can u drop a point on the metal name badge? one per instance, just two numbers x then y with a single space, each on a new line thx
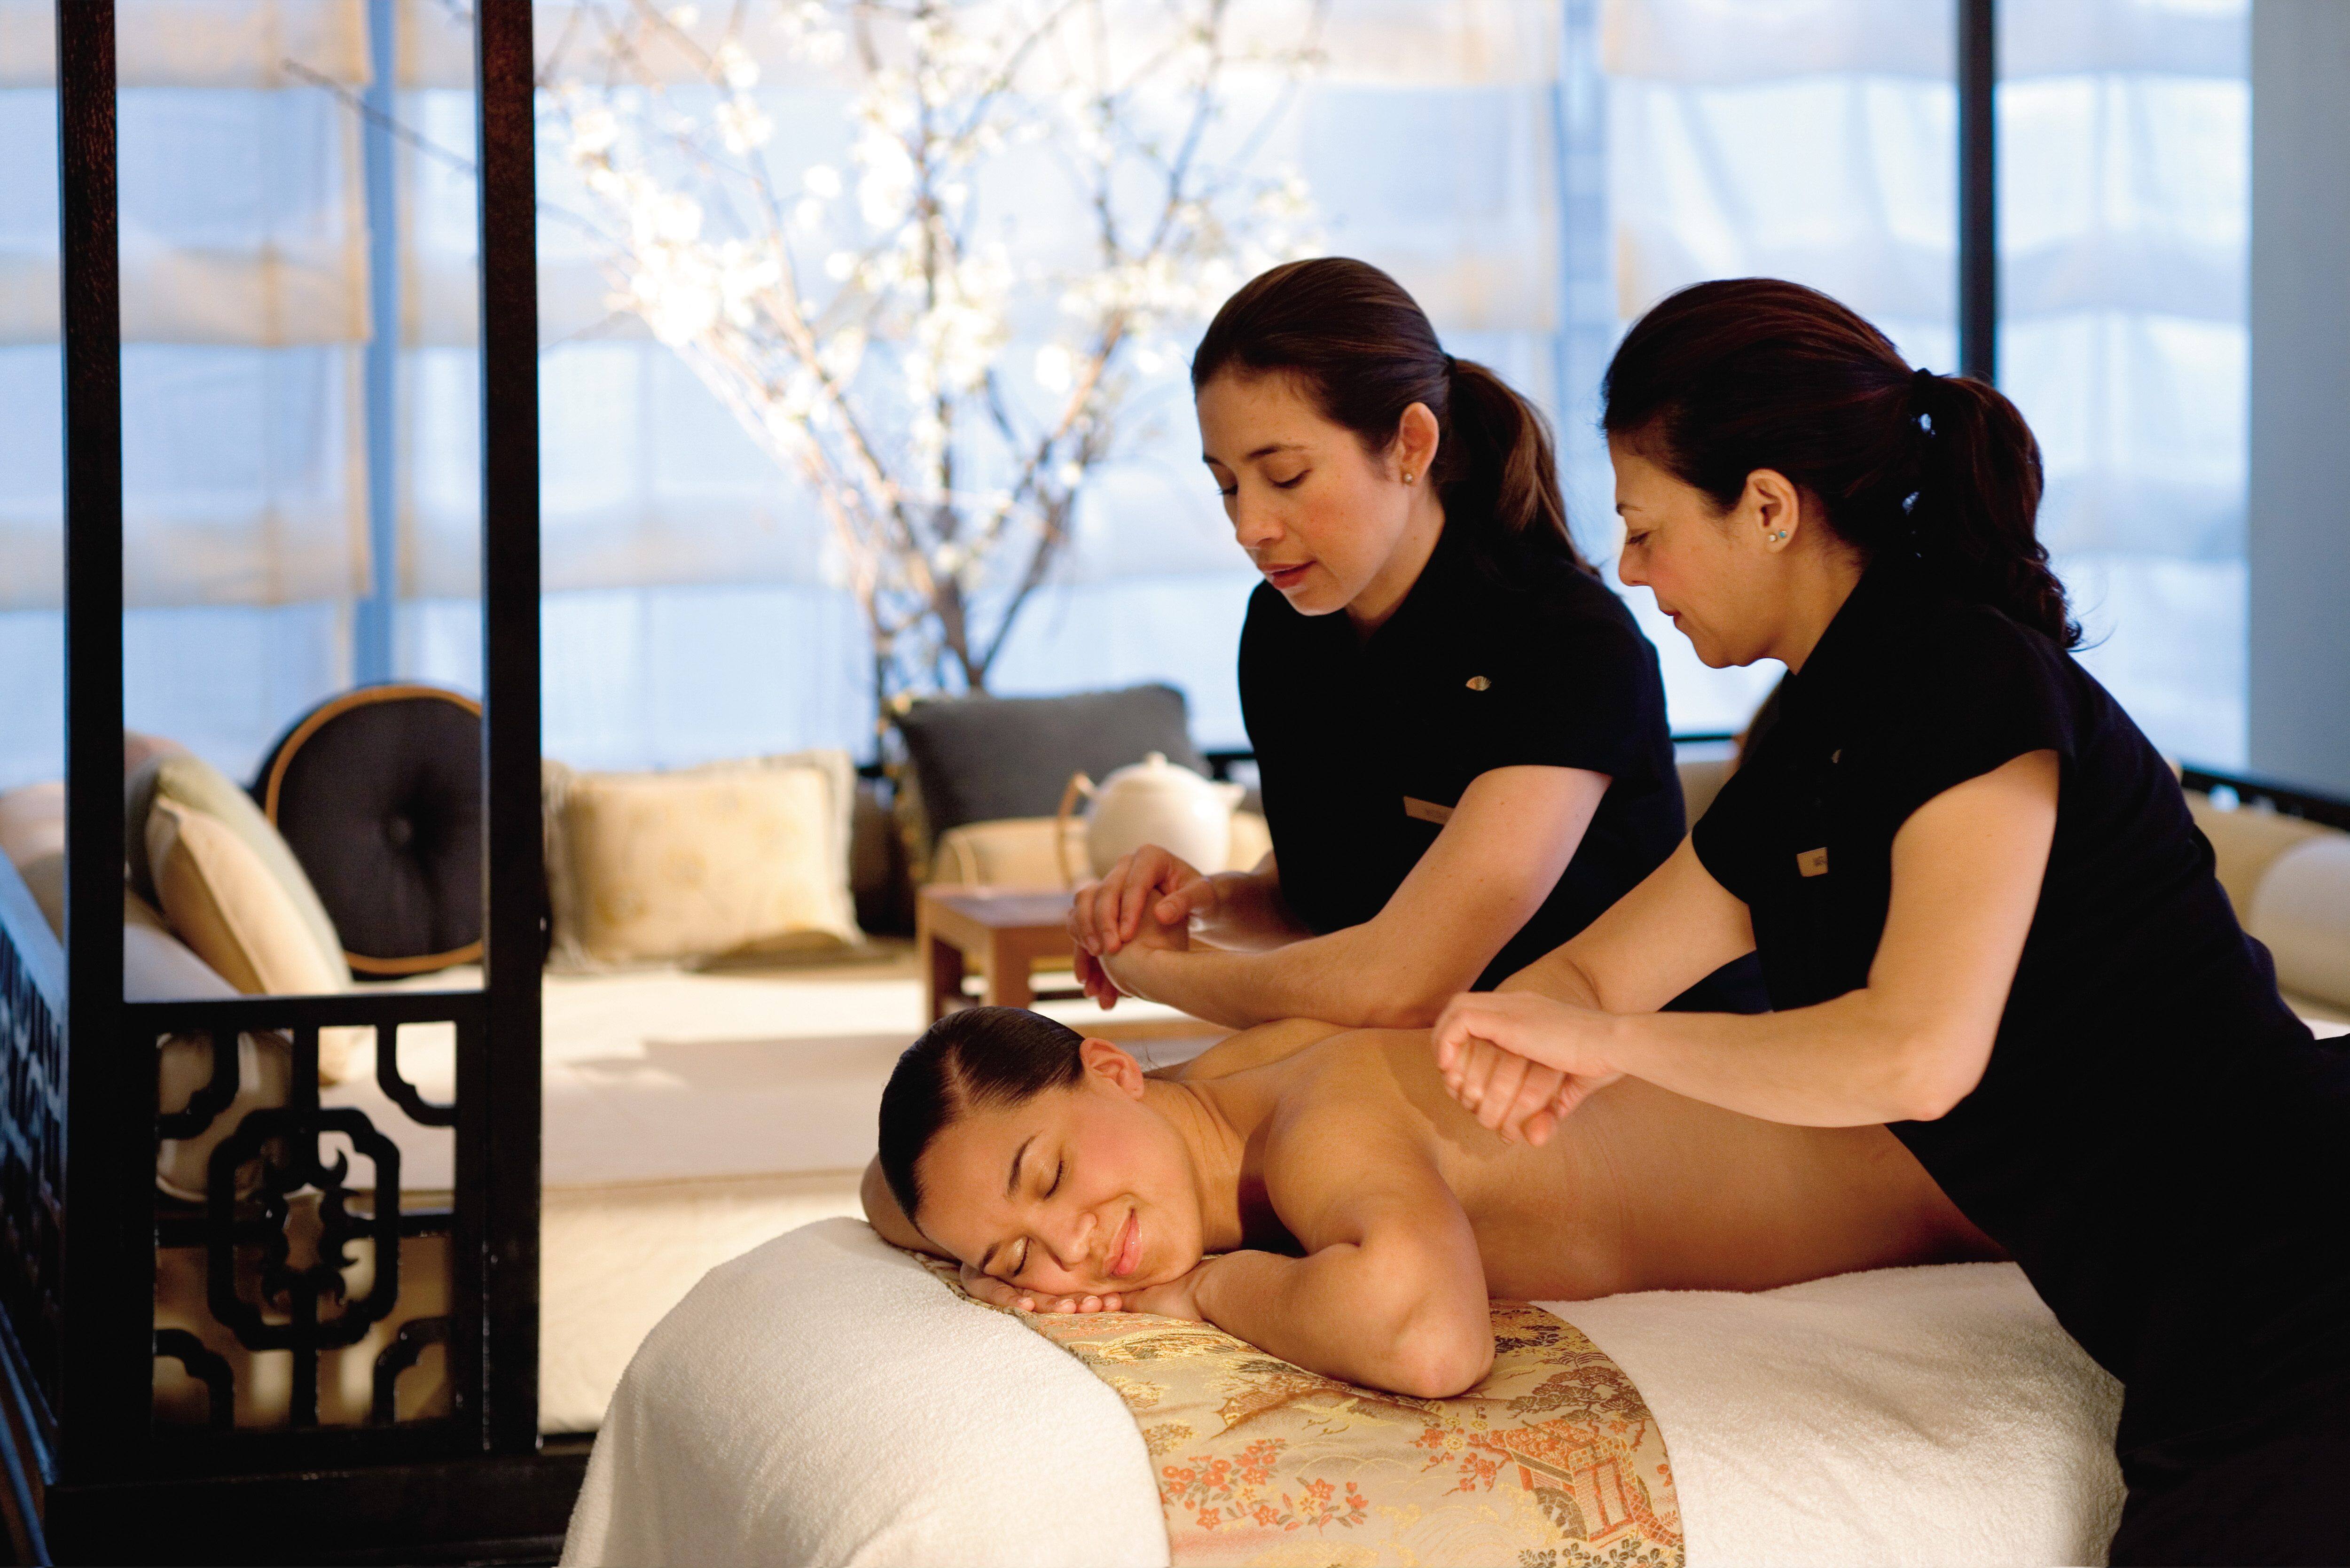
1813 862
1427 811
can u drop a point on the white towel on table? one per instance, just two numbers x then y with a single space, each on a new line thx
824 1400
1903 1415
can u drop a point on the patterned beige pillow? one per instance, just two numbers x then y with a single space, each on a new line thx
723 862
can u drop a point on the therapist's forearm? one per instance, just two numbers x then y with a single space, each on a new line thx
1251 915
1852 1062
1349 977
1557 975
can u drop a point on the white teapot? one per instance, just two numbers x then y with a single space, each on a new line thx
1153 801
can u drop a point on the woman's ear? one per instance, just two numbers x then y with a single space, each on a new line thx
1770 513
1417 436
1113 1066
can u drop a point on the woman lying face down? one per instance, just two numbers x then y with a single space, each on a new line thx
1317 1192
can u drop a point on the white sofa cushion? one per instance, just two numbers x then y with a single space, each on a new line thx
2302 910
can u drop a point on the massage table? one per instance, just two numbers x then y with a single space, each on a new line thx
825 1399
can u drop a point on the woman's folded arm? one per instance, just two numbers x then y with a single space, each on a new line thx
1390 1293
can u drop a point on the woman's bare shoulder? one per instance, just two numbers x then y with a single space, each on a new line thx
1254 1047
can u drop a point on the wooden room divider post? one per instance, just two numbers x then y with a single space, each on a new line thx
512 922
106 1284
1978 84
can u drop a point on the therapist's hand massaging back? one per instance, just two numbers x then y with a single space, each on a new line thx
1984 912
1371 478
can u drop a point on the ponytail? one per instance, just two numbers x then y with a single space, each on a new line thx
1723 379
1502 476
1363 351
1974 520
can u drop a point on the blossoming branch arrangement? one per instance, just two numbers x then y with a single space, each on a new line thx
1078 178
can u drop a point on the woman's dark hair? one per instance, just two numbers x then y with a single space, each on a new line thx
977 1057
1723 379
1362 350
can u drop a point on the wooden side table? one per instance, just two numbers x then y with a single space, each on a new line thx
1007 933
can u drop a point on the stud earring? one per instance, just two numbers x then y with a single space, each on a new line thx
1407 476
1780 535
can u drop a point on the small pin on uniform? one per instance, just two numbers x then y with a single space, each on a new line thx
1478 683
1813 862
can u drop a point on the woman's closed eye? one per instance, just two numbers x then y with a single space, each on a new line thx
1229 490
1027 1249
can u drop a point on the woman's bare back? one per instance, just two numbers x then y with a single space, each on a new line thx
1639 1189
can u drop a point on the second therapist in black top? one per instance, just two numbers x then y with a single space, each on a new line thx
1460 729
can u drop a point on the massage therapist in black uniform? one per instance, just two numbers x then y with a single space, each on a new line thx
1983 913
1459 729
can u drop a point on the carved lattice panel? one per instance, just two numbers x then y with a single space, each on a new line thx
299 1294
31 1157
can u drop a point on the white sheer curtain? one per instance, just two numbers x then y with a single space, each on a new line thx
691 611
1537 173
1815 139
243 246
2124 223
687 577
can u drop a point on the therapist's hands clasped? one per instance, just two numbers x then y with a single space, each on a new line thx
1521 1062
1148 885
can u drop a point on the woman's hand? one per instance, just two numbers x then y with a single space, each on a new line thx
1147 887
1521 1062
1178 1297
1000 1293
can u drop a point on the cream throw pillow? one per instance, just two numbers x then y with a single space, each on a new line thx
2302 912
235 914
723 862
196 785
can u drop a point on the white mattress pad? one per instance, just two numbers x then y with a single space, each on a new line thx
825 1400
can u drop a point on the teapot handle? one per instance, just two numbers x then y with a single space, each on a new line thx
1079 784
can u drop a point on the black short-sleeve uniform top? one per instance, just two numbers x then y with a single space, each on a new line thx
2151 1108
1364 746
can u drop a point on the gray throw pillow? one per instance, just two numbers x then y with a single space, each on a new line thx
981 759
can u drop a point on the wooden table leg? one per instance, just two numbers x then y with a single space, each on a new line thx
1007 973
942 966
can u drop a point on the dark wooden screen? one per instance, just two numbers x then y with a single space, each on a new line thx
78 1064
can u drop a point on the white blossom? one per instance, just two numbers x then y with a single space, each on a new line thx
854 318
743 125
1055 367
736 66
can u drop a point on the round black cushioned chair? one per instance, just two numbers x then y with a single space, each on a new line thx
379 793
